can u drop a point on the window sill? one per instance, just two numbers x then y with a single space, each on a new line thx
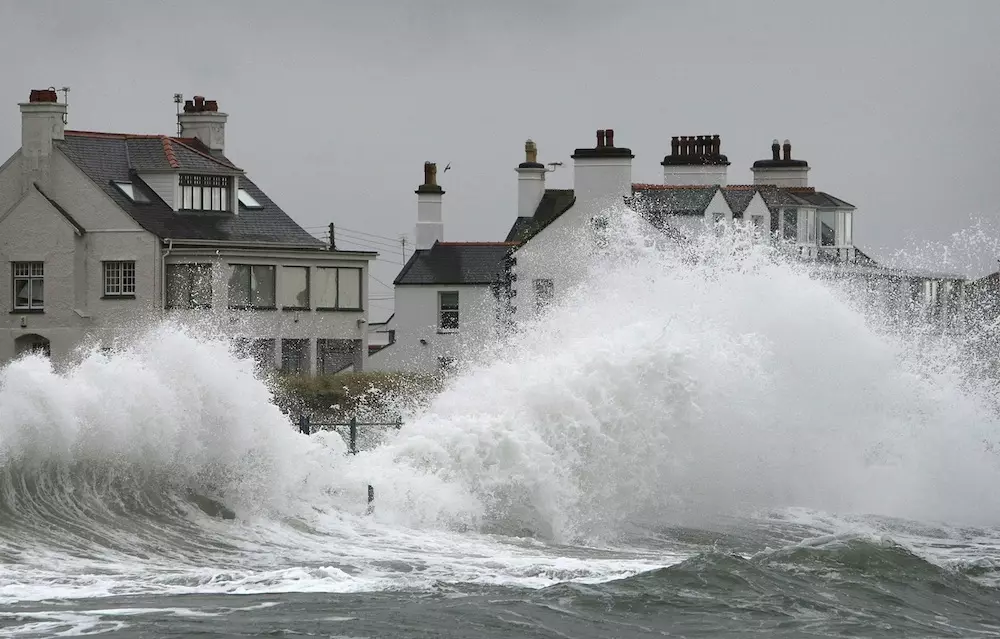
253 308
28 311
118 297
305 309
446 331
329 309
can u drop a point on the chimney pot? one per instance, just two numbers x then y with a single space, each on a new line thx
600 138
530 152
675 145
211 105
430 174
43 95
716 145
788 150
775 150
199 102
188 106
610 133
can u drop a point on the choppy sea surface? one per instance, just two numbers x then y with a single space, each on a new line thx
743 448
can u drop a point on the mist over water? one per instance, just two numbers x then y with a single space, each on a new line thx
671 386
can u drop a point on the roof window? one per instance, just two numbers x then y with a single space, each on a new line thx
131 192
248 200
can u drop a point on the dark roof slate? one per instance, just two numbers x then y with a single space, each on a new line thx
691 200
554 203
456 263
107 157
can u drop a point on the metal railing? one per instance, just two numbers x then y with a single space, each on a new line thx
308 427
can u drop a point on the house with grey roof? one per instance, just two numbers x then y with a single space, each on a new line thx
449 296
555 229
104 232
453 297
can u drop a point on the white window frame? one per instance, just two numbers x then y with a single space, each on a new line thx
456 310
29 272
119 278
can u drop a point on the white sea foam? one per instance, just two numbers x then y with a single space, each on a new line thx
670 386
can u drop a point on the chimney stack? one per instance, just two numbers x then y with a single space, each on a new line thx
530 181
602 176
781 170
430 223
43 119
201 119
695 161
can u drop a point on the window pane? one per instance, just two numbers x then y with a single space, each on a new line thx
178 288
225 199
187 199
112 278
449 310
790 224
22 292
200 278
128 278
848 228
262 286
294 288
325 288
37 293
239 285
295 355
349 288
827 235
248 200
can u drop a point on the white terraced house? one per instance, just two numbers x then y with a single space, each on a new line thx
452 296
99 231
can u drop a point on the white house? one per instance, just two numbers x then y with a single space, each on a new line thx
100 231
695 194
447 295
485 287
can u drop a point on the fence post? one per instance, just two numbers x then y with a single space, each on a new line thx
354 435
371 499
304 426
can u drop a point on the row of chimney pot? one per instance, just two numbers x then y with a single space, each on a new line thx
605 138
787 148
200 104
696 145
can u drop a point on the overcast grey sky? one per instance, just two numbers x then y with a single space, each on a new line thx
334 106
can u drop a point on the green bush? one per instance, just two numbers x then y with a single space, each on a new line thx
346 395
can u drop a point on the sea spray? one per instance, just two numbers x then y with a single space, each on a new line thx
714 377
674 382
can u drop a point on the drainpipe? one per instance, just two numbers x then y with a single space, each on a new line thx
163 275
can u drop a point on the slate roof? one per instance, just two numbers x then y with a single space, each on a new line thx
107 157
554 203
454 263
680 200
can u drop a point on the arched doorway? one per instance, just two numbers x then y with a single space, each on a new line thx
32 343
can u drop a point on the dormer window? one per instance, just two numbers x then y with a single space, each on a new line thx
205 192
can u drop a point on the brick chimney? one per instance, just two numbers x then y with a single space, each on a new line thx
430 224
602 176
696 161
781 169
43 119
530 181
201 119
